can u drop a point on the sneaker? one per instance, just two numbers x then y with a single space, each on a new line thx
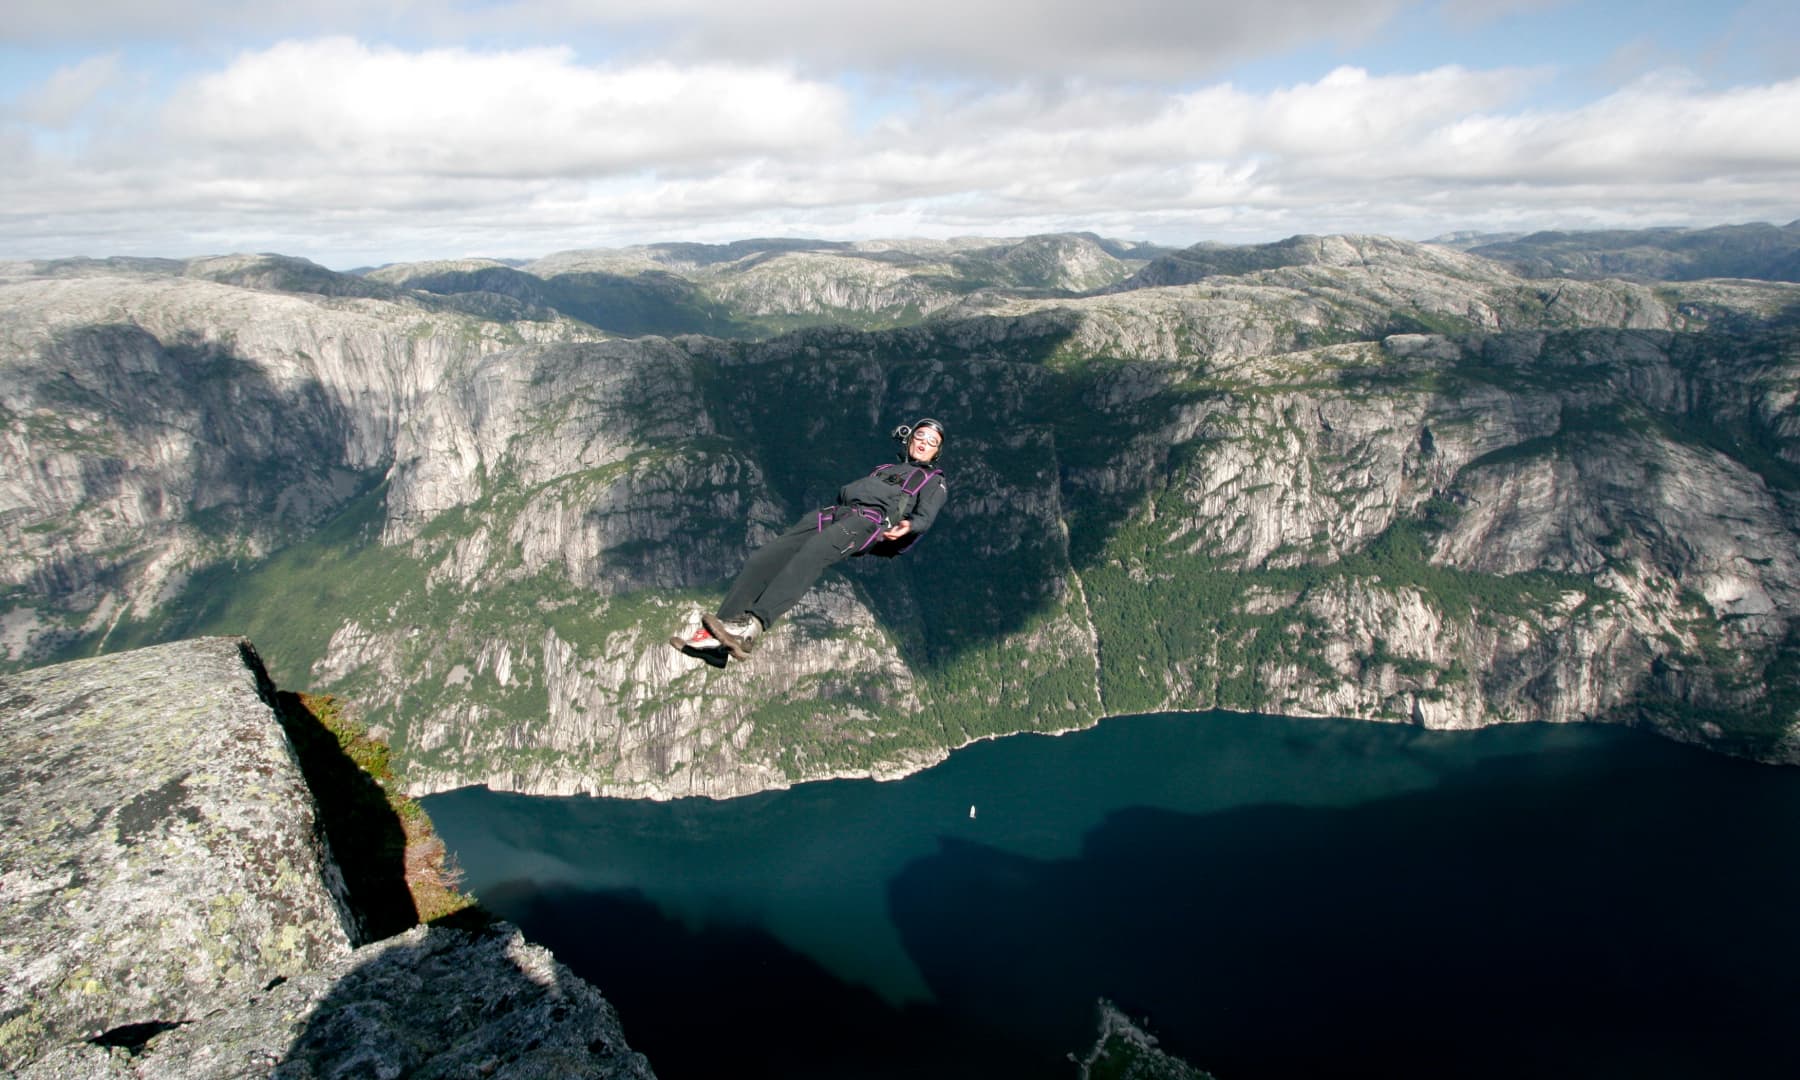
739 637
700 641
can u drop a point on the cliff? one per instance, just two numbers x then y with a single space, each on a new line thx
173 910
1339 475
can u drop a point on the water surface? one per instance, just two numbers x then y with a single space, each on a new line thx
1276 897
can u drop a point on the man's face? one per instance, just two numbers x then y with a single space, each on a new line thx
924 444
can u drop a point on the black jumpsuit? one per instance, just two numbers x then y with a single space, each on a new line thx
777 574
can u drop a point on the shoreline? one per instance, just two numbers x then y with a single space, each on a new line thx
920 760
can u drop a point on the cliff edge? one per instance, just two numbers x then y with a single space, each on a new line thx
172 908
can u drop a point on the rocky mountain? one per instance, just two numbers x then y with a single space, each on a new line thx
1758 251
1204 260
1345 475
753 287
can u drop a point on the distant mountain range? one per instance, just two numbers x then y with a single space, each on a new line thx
1758 252
1337 475
753 288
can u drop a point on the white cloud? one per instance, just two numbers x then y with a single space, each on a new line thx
1134 40
345 107
1152 40
69 92
1655 132
352 153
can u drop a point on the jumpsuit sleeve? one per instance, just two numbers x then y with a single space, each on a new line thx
931 500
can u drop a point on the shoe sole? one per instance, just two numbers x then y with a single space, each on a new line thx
716 628
712 657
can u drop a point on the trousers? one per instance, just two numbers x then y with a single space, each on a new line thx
777 575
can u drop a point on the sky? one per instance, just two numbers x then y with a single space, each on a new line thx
363 132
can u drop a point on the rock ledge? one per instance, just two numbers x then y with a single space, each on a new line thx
171 908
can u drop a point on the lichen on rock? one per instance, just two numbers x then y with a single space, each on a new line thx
172 908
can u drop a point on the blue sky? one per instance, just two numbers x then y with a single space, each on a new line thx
356 132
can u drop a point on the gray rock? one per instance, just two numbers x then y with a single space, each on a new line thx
1125 1051
433 1002
171 909
159 852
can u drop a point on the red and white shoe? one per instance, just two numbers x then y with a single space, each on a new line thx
738 637
700 641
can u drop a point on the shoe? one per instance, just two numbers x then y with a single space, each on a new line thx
739 637
700 640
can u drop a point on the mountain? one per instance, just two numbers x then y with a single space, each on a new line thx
1464 239
752 288
1354 476
1205 260
1758 251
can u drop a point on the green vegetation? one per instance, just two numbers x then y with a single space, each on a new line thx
292 602
396 869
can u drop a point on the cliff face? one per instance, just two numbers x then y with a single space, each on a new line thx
172 909
153 424
1353 476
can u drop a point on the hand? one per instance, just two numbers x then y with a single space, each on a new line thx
897 531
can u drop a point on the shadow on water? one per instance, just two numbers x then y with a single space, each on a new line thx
734 1001
1517 923
1278 898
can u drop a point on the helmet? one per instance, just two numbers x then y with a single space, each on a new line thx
904 432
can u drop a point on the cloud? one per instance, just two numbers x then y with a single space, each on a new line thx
1663 129
355 153
1133 40
346 107
69 92
1137 40
112 21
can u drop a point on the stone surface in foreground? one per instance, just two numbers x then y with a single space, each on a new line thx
169 906
160 848
432 1002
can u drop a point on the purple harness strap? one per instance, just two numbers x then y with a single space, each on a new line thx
907 485
874 516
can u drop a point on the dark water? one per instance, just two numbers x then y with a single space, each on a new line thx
1275 897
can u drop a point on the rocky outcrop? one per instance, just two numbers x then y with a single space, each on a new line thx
1127 1052
433 1001
160 847
808 284
173 910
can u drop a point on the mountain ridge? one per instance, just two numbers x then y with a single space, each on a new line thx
1375 479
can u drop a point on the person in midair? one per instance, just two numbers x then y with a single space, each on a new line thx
883 513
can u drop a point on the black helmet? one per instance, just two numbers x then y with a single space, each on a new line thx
905 431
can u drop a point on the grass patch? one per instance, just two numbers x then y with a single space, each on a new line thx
396 868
